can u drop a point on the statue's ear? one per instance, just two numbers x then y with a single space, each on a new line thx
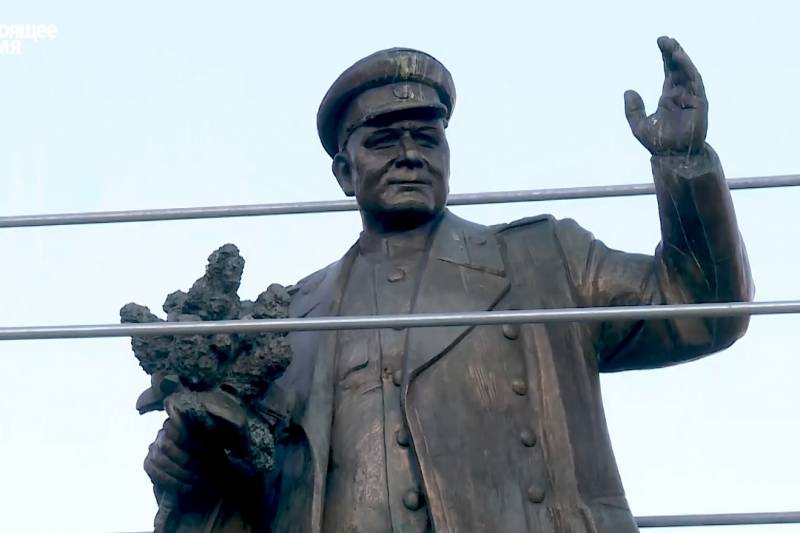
343 172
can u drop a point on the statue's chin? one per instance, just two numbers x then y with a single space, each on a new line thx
405 217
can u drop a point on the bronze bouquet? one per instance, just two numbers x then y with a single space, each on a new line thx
212 382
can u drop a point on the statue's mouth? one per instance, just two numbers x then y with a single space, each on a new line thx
413 182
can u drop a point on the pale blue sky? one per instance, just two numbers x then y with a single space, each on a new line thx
159 104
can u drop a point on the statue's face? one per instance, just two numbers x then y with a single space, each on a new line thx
397 168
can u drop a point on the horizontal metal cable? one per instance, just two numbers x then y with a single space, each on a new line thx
645 312
696 520
535 195
734 519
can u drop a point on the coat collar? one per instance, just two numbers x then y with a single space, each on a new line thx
464 272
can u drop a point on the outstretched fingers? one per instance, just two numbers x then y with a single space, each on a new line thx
679 70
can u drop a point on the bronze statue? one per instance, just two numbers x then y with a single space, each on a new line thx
471 429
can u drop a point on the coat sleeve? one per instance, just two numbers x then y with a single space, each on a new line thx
700 259
240 511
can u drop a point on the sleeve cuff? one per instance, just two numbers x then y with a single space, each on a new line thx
687 166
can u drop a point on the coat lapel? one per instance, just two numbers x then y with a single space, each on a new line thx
464 272
313 361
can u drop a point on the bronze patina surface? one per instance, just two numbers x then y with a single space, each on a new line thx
485 428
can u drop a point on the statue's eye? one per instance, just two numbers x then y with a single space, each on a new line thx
381 139
426 139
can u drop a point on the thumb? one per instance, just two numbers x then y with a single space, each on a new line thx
634 111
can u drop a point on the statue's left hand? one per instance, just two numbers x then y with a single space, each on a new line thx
680 123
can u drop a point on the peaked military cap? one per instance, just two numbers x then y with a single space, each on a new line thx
388 81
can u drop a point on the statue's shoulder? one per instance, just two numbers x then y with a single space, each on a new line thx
474 227
523 224
310 291
565 232
304 293
310 282
308 286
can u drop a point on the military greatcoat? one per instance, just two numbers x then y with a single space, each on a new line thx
506 422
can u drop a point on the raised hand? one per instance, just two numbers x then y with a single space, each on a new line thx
680 123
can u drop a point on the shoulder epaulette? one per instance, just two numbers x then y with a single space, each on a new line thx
521 222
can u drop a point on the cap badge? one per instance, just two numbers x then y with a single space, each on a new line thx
403 91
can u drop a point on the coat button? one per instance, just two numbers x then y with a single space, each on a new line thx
412 499
510 331
535 494
397 377
519 386
396 274
402 437
527 438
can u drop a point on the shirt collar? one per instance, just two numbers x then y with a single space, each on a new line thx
399 244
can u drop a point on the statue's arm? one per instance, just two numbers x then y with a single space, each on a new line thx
700 259
234 513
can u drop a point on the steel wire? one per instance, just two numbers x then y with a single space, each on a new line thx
644 312
288 208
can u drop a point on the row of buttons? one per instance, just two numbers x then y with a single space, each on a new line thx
518 385
412 498
527 437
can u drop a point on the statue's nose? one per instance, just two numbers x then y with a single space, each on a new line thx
411 156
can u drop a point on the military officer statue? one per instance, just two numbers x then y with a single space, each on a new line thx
471 429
